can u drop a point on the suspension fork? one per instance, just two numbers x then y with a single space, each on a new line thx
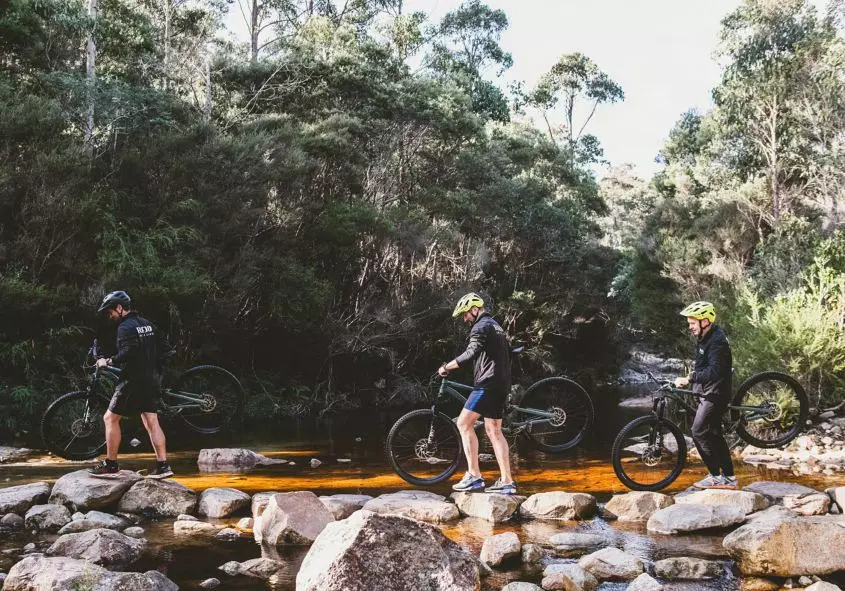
656 436
431 427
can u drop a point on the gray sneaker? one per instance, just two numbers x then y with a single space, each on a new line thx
469 483
502 488
727 482
709 482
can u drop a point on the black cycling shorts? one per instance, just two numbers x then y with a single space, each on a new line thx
131 399
488 402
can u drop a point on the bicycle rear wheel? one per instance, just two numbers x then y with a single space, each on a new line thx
572 414
782 409
424 447
222 395
648 455
72 426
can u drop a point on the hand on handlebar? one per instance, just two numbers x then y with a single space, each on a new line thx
442 371
681 382
102 362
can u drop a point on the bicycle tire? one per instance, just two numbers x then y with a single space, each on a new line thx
392 447
571 400
60 413
621 441
799 419
224 393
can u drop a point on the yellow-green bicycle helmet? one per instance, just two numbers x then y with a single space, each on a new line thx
467 303
700 311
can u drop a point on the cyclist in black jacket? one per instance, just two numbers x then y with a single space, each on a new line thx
711 377
488 349
138 389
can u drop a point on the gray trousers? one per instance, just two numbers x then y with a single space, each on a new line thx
707 434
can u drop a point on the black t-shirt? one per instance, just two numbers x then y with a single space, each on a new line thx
136 350
488 347
714 366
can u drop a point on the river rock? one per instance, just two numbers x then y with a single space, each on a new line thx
680 518
232 459
134 532
222 502
576 543
799 546
18 499
823 586
500 547
12 454
231 568
521 586
260 501
228 534
211 583
193 528
12 521
531 553
260 568
185 517
342 506
82 491
40 573
758 584
47 517
158 498
419 505
775 491
559 505
245 523
105 547
292 518
645 582
687 568
812 504
773 513
748 501
94 520
569 577
637 505
612 563
491 507
371 551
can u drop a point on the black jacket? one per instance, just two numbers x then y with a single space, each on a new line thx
488 347
136 350
713 367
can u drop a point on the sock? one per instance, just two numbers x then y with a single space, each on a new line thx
161 464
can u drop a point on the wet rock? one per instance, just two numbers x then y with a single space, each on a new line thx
576 543
29 548
812 504
228 534
158 498
231 568
105 547
559 505
758 584
210 583
775 491
81 491
500 547
490 507
342 506
569 577
315 463
260 501
680 518
687 568
748 501
194 528
370 551
531 553
184 517
645 582
612 563
419 505
222 502
12 521
232 459
39 573
13 454
47 517
134 532
292 518
94 520
799 546
637 505
773 513
260 568
520 586
245 523
18 499
823 586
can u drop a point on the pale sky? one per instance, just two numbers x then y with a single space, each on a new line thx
660 51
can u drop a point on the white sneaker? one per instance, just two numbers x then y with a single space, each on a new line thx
709 482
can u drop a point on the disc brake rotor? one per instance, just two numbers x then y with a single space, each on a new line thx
209 403
558 417
651 456
82 428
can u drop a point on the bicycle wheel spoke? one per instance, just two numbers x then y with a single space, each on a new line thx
648 457
775 408
423 447
567 411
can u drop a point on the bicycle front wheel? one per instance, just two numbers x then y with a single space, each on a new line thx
775 409
649 455
72 426
424 447
220 399
570 409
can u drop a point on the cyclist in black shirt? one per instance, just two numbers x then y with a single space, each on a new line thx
138 389
488 348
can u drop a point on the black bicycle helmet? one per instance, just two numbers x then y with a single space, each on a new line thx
113 299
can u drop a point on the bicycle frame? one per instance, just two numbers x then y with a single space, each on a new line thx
679 395
189 400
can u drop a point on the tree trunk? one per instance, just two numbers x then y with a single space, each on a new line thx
774 162
208 99
91 79
168 14
253 32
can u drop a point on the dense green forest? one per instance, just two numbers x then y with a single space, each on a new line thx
304 208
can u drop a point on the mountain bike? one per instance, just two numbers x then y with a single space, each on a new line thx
206 398
768 410
424 446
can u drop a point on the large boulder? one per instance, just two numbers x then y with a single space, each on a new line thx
680 518
94 520
232 460
577 543
292 518
389 553
18 499
341 506
47 517
222 502
775 491
569 577
158 498
558 505
82 491
419 505
746 500
40 573
612 563
637 505
500 547
105 547
789 547
490 507
681 567
812 504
